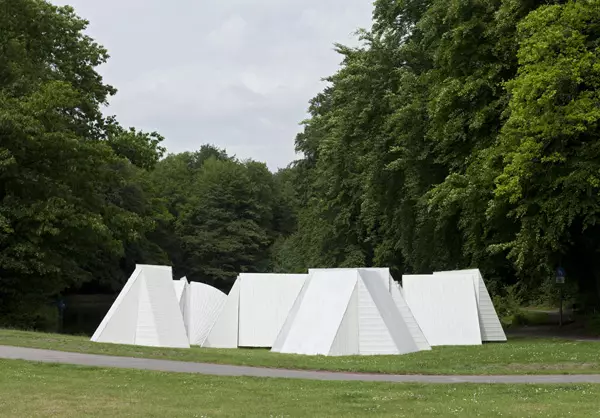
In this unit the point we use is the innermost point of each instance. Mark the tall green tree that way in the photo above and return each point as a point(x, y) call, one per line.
point(549, 182)
point(60, 178)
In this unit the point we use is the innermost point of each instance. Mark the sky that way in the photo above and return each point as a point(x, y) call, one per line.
point(234, 73)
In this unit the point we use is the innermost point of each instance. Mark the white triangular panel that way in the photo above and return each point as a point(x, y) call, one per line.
point(146, 312)
point(401, 338)
point(409, 319)
point(491, 328)
point(374, 337)
point(224, 332)
point(346, 341)
point(181, 292)
point(145, 331)
point(285, 329)
point(204, 305)
point(119, 324)
point(160, 321)
point(319, 316)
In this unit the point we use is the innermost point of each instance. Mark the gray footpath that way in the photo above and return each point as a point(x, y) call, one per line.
point(49, 356)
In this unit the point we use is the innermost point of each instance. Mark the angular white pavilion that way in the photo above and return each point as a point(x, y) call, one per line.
point(146, 312)
point(445, 308)
point(343, 312)
point(489, 323)
point(394, 288)
point(255, 310)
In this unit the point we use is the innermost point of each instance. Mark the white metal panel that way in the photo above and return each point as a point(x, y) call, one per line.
point(160, 321)
point(489, 323)
point(346, 341)
point(181, 292)
point(374, 336)
point(119, 324)
point(446, 310)
point(203, 309)
point(320, 314)
point(265, 302)
point(397, 338)
point(224, 332)
point(145, 331)
point(491, 328)
point(409, 319)
point(285, 329)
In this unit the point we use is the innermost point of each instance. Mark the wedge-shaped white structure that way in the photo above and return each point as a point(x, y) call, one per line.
point(224, 332)
point(489, 323)
point(409, 319)
point(181, 288)
point(383, 274)
point(345, 312)
point(444, 307)
point(146, 312)
point(203, 304)
point(255, 310)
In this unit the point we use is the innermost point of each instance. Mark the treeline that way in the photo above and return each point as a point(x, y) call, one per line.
point(82, 199)
point(462, 133)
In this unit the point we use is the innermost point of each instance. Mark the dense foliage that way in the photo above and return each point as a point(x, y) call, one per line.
point(461, 133)
point(82, 199)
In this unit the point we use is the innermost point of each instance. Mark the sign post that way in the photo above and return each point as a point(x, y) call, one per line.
point(560, 279)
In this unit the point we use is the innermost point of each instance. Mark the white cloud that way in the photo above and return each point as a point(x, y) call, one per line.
point(235, 73)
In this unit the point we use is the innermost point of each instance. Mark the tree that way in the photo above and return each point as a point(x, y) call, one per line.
point(60, 180)
point(225, 226)
point(549, 148)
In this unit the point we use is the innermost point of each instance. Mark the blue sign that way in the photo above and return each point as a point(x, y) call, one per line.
point(560, 275)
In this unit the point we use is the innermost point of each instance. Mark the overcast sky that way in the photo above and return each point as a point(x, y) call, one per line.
point(234, 73)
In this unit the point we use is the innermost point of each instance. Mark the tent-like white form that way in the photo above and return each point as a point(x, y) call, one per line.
point(203, 304)
point(255, 310)
point(146, 312)
point(383, 273)
point(489, 323)
point(445, 308)
point(345, 312)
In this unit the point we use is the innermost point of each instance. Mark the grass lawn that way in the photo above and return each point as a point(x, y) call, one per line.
point(518, 356)
point(44, 390)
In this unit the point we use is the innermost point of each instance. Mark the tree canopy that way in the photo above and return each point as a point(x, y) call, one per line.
point(460, 133)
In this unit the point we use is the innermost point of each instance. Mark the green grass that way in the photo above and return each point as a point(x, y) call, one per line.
point(44, 390)
point(518, 356)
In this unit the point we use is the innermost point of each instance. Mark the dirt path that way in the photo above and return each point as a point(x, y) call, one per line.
point(48, 356)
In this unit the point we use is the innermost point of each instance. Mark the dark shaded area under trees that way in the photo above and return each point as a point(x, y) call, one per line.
point(462, 133)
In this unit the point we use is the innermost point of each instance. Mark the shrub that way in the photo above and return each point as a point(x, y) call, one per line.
point(508, 307)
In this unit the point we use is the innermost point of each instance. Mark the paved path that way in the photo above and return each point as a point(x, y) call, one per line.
point(49, 356)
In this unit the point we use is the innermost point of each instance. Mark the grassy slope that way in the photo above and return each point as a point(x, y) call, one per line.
point(519, 356)
point(40, 390)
